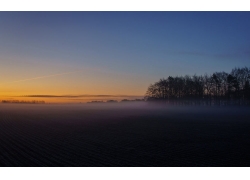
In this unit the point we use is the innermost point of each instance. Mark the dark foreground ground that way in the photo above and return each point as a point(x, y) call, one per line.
point(136, 135)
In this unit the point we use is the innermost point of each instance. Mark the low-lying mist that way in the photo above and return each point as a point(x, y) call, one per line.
point(123, 134)
point(107, 110)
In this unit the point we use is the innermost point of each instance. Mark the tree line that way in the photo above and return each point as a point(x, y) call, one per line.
point(115, 101)
point(220, 88)
point(23, 102)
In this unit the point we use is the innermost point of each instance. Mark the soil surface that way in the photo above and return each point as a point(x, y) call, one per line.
point(123, 135)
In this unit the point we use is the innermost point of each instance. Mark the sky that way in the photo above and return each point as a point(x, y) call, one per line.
point(56, 55)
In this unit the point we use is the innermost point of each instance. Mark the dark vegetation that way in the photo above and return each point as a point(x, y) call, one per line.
point(220, 88)
point(115, 101)
point(23, 102)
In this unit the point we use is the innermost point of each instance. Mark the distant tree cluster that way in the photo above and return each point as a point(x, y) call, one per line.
point(111, 101)
point(23, 102)
point(134, 100)
point(220, 88)
point(115, 101)
point(95, 102)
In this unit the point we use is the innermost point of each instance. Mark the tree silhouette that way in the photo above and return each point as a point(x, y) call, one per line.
point(220, 88)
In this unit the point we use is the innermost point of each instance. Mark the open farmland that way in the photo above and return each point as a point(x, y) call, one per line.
point(123, 135)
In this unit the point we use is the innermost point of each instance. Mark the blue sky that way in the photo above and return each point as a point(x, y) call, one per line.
point(137, 48)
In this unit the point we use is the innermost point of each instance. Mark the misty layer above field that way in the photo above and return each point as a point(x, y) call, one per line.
point(123, 134)
point(128, 108)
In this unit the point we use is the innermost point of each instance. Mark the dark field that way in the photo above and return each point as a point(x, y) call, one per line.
point(123, 135)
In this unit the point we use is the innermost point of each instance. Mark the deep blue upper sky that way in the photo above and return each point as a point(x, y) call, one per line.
point(150, 45)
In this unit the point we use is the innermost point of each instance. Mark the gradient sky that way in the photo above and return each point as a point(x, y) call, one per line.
point(114, 53)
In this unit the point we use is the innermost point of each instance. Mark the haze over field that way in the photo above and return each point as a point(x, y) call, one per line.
point(123, 135)
point(60, 54)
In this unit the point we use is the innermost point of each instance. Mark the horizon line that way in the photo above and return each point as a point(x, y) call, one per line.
point(75, 96)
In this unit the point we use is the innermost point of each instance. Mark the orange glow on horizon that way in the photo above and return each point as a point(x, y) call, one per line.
point(29, 78)
point(69, 99)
